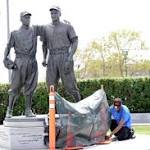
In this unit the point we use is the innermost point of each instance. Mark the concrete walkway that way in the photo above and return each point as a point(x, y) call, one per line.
point(141, 142)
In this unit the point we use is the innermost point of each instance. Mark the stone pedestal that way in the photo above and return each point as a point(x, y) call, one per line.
point(22, 133)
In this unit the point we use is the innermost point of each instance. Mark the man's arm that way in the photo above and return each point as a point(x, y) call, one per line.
point(44, 48)
point(6, 53)
point(9, 45)
point(40, 31)
point(120, 125)
point(73, 40)
point(73, 48)
point(9, 64)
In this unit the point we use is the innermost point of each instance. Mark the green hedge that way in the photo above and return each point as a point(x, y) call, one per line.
point(134, 92)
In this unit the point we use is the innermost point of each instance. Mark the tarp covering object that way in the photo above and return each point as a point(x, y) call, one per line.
point(83, 123)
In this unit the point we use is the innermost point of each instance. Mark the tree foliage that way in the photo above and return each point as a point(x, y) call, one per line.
point(108, 56)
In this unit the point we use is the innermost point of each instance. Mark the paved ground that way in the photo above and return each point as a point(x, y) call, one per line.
point(141, 142)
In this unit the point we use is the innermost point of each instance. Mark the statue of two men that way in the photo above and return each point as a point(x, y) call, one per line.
point(59, 45)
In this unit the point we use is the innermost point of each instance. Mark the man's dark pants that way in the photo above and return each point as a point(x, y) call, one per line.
point(123, 134)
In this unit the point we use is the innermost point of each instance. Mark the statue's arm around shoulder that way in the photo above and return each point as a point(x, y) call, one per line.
point(40, 31)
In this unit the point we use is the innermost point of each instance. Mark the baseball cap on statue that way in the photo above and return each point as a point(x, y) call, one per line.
point(24, 13)
point(55, 8)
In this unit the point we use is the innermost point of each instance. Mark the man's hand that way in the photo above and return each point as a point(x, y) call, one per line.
point(107, 137)
point(44, 63)
point(110, 135)
point(70, 58)
point(9, 64)
point(68, 67)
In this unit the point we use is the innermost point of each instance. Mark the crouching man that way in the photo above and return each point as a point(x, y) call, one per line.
point(120, 121)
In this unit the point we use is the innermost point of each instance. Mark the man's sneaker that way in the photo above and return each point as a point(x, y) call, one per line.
point(114, 138)
point(132, 136)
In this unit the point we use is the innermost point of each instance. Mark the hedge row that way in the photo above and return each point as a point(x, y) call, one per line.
point(134, 92)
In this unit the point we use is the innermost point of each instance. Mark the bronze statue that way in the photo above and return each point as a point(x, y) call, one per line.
point(61, 41)
point(24, 68)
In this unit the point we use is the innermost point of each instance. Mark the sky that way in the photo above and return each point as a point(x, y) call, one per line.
point(91, 19)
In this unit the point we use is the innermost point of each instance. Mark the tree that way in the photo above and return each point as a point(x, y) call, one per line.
point(141, 68)
point(101, 48)
point(108, 56)
point(122, 42)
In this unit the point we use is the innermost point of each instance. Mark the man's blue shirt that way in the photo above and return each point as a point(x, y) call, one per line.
point(123, 113)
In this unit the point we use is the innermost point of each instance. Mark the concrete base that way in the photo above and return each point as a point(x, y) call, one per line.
point(22, 133)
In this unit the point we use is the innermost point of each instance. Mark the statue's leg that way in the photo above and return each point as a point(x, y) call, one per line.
point(52, 75)
point(14, 91)
point(28, 104)
point(12, 100)
point(76, 96)
point(69, 82)
point(30, 85)
point(72, 89)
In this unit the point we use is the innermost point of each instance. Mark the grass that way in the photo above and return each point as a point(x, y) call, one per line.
point(142, 129)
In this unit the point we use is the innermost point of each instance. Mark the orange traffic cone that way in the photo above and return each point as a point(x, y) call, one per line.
point(52, 128)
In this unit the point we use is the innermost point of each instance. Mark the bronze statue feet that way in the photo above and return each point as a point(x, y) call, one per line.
point(29, 113)
point(9, 113)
